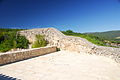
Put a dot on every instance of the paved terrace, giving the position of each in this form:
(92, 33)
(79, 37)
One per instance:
(63, 65)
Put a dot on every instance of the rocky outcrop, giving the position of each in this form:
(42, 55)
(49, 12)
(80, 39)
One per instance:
(55, 37)
(51, 34)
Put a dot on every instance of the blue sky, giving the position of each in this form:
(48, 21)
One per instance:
(77, 15)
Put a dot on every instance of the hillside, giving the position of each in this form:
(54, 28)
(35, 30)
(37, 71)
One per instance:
(109, 35)
(110, 38)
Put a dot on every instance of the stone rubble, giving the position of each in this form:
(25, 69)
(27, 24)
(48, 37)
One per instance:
(77, 44)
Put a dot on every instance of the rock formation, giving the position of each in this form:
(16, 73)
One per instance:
(77, 44)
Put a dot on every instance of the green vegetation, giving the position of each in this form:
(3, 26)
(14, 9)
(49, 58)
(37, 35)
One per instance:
(9, 39)
(21, 42)
(40, 41)
(58, 49)
(10, 30)
(101, 41)
(113, 36)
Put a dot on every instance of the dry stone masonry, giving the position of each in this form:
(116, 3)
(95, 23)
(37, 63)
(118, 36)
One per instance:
(21, 55)
(77, 44)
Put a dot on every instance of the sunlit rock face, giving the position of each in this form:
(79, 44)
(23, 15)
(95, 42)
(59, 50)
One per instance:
(77, 44)
(55, 37)
(51, 34)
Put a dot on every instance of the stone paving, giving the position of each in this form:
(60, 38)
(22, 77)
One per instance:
(64, 65)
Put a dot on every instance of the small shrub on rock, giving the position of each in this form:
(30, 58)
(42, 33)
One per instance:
(40, 42)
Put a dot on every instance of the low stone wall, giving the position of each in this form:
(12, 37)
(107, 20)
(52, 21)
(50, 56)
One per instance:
(21, 55)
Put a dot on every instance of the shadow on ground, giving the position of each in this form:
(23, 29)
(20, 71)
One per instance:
(4, 77)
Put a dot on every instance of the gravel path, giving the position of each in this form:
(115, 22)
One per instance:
(64, 65)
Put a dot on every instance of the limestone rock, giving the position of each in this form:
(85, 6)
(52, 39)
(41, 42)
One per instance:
(55, 37)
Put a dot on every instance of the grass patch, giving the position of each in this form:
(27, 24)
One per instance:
(40, 42)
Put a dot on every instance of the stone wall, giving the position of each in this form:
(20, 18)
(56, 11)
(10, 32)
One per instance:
(21, 55)
(77, 44)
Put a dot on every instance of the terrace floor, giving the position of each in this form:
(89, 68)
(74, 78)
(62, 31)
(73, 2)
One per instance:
(62, 65)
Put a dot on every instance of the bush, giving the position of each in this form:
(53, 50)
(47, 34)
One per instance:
(10, 40)
(40, 42)
(21, 42)
(6, 46)
(6, 41)
(58, 49)
(1, 37)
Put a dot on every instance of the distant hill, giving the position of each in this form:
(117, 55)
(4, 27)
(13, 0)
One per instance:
(109, 35)
(109, 38)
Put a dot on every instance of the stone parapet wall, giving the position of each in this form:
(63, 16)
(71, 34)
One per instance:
(21, 55)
